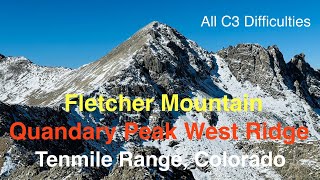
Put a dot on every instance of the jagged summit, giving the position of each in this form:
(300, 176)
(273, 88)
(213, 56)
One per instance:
(152, 24)
(256, 64)
(156, 26)
(300, 62)
(157, 48)
(152, 32)
(266, 68)
(306, 79)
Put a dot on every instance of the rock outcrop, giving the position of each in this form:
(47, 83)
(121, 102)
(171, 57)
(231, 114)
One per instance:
(267, 69)
(148, 173)
(253, 63)
(306, 79)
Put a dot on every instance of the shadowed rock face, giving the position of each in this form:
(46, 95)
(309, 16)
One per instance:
(36, 116)
(306, 79)
(22, 152)
(149, 173)
(253, 63)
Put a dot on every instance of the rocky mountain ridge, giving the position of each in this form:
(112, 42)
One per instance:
(156, 60)
(267, 68)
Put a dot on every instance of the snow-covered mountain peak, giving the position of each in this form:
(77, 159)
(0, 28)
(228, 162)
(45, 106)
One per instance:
(151, 25)
(13, 59)
(158, 27)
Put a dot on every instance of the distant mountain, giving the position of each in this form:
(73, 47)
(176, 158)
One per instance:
(159, 60)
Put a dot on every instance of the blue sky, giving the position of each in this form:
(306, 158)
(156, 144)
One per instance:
(71, 33)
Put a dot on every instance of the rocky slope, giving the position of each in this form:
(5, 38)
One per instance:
(267, 68)
(22, 81)
(253, 63)
(306, 79)
(156, 60)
